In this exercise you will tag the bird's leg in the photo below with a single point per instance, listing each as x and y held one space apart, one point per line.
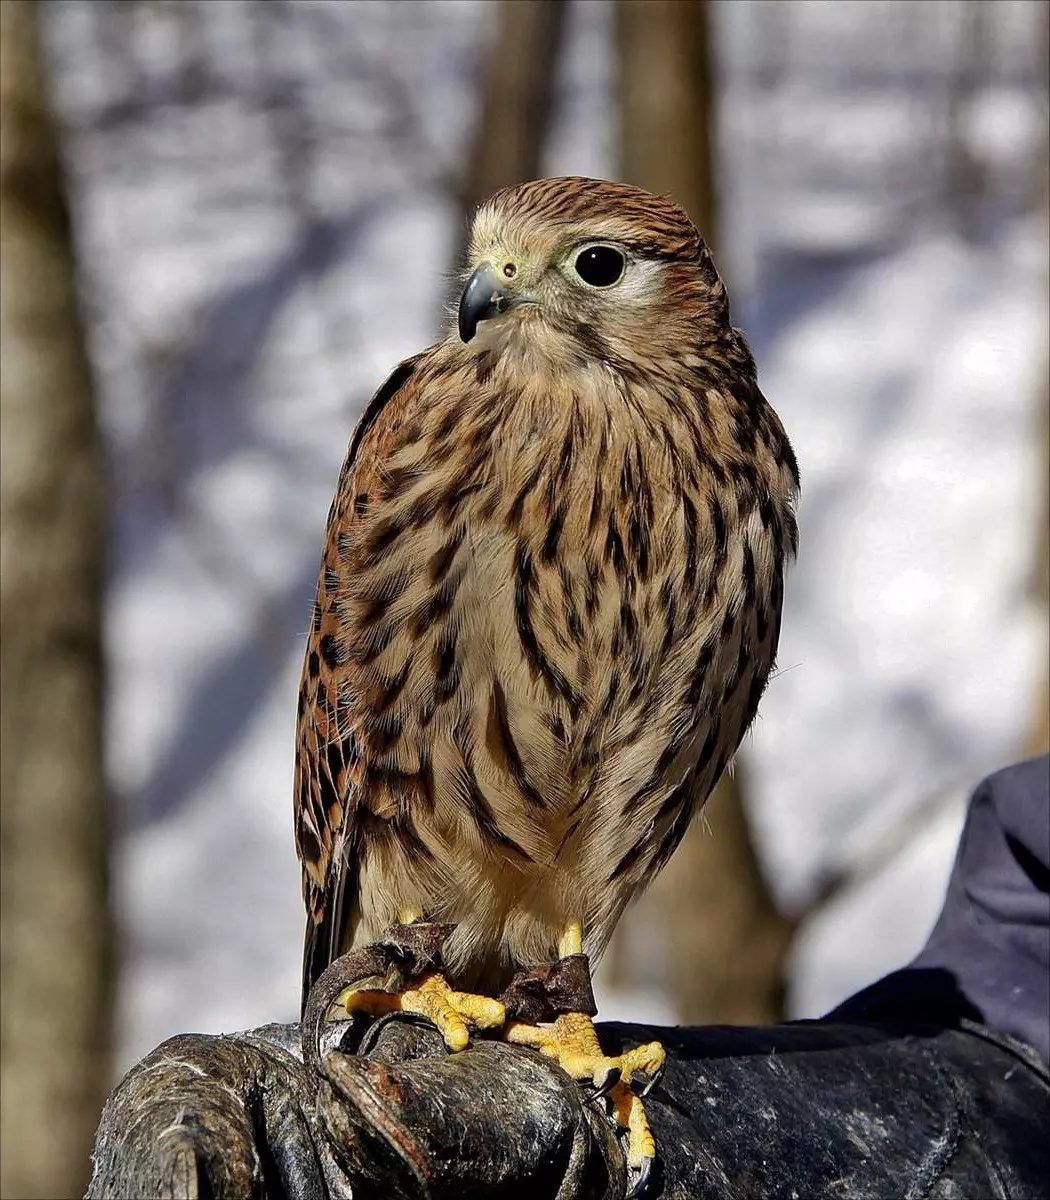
430 996
572 1040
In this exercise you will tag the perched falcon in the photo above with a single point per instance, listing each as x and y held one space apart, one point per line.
549 601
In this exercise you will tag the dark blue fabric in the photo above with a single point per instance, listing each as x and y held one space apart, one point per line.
988 957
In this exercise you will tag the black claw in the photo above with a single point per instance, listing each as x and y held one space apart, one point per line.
413 949
643 1082
343 973
642 1174
604 1085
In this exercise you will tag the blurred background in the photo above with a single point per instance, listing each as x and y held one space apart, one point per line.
223 222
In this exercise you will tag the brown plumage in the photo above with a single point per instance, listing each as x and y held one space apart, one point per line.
550 595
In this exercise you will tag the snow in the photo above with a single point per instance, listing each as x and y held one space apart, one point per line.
903 345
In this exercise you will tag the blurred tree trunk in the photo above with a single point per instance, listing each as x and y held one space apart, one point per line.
517 98
966 184
666 116
726 939
55 933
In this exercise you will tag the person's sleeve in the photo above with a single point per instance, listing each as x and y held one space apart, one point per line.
988 957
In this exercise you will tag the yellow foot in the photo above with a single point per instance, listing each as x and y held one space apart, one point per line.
431 997
573 1042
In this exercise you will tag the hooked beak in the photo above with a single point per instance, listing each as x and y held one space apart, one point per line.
483 297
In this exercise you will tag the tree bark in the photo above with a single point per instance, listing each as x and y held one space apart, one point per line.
728 941
55 933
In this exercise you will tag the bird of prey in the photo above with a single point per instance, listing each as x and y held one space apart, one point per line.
549 602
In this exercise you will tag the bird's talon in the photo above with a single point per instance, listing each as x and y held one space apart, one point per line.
643 1084
643 1063
605 1078
639 1178
644 1078
431 997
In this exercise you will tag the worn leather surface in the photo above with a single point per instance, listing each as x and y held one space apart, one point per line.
819 1110
802 1110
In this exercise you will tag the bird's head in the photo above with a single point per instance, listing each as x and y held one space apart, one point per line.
574 268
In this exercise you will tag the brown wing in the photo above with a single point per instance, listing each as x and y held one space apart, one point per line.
327 753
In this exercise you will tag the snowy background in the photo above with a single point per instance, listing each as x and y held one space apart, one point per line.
266 225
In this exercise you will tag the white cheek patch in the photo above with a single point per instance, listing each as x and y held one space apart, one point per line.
642 283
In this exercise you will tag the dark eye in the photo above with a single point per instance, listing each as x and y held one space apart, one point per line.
600 266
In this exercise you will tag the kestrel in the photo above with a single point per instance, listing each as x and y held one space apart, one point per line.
549 602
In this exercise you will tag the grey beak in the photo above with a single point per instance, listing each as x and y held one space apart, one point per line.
483 297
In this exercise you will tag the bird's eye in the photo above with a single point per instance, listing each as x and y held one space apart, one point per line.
600 266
